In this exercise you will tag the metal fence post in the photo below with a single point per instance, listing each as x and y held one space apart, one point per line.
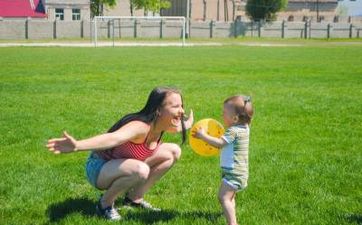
161 28
189 28
350 30
109 29
310 28
252 28
82 29
55 29
235 28
283 28
27 29
259 28
211 28
328 30
119 28
135 29
112 31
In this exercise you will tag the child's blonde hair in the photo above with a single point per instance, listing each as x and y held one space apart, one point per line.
242 107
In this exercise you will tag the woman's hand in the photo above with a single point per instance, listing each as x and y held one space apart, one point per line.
190 120
65 144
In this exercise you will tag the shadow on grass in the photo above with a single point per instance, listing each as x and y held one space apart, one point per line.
355 218
86 207
150 217
61 210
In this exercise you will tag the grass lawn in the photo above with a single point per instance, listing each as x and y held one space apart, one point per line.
305 151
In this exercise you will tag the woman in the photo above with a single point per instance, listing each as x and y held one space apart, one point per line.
131 158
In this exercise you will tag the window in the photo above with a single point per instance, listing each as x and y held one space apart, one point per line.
320 19
59 14
75 14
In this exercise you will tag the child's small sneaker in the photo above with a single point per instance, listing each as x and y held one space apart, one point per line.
110 213
127 202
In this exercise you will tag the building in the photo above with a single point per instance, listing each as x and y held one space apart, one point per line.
207 10
315 10
123 8
67 10
22 9
229 10
199 10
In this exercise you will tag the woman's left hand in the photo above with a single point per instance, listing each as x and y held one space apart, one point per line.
190 120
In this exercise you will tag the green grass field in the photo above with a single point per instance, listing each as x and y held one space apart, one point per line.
305 151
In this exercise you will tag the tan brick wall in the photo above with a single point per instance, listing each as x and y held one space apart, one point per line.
197 9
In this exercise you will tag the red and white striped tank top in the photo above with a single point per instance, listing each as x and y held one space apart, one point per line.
129 150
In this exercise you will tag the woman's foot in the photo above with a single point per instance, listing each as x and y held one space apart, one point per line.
127 202
110 213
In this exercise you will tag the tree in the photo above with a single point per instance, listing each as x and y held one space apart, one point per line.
97 6
151 5
264 9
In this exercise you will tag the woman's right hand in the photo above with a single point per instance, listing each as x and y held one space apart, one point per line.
65 144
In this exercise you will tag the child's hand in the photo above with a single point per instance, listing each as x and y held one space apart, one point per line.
65 144
199 133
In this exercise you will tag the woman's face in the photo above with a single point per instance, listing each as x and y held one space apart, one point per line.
172 110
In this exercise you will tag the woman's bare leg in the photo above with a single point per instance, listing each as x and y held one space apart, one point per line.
160 163
119 175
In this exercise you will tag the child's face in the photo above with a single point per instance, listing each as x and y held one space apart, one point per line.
229 115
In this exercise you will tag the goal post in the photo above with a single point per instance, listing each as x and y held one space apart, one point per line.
111 20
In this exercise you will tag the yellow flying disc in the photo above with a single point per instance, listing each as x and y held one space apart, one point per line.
213 128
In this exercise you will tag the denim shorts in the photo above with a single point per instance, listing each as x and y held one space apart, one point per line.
93 168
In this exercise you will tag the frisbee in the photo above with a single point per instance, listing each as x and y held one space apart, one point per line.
213 128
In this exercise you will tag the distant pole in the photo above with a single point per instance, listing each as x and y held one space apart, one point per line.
187 18
204 9
218 10
317 10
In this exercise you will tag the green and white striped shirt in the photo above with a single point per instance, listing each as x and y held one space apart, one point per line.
235 155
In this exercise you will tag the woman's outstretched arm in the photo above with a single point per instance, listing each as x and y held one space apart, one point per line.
68 143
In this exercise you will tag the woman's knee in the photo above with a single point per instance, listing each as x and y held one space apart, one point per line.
176 151
141 171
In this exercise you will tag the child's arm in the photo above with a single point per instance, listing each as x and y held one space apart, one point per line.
214 141
188 124
68 144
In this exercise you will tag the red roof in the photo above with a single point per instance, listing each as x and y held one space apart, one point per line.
22 8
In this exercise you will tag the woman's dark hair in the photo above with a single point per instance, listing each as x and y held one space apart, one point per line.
149 112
